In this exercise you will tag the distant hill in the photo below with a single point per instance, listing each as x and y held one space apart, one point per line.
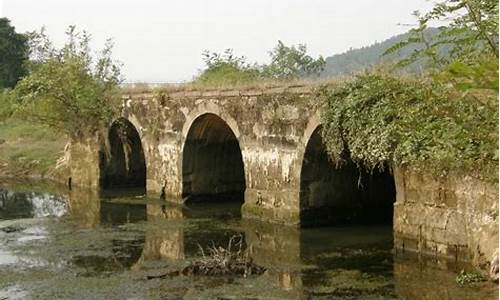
356 60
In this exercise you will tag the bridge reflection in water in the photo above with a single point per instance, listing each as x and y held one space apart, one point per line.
345 262
125 238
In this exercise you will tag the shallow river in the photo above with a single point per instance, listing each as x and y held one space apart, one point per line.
56 244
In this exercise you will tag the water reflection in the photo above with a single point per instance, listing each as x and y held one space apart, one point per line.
326 262
419 279
159 238
88 210
84 208
165 235
17 205
103 237
113 214
278 249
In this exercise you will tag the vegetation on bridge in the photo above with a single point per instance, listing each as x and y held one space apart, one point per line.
379 119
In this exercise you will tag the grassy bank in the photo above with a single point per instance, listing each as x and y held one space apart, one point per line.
29 150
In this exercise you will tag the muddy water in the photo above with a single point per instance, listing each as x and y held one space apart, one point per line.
76 245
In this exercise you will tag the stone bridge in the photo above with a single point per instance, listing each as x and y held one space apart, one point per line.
264 147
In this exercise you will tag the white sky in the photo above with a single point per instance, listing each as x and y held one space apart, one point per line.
162 41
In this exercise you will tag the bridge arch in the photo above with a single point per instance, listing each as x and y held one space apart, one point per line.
212 161
311 127
122 163
209 108
332 194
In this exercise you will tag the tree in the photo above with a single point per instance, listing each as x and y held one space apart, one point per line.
69 89
470 36
470 31
287 63
13 53
293 63
227 68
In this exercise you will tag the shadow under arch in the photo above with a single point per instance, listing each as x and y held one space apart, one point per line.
212 162
123 164
344 194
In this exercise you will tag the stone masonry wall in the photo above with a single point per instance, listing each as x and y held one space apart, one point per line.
84 163
455 217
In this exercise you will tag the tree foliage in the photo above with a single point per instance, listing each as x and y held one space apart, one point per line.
227 68
68 88
292 63
287 63
470 30
13 54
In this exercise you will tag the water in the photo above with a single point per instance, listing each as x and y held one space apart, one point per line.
75 245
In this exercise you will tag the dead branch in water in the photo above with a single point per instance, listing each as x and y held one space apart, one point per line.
220 261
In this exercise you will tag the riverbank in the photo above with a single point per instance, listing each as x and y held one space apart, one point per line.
30 150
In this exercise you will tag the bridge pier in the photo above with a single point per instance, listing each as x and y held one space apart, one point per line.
272 206
453 218
84 163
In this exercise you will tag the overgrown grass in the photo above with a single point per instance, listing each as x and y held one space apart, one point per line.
261 84
28 149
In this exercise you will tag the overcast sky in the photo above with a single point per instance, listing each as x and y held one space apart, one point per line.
162 41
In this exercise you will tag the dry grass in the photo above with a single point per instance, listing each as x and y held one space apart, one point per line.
138 88
233 260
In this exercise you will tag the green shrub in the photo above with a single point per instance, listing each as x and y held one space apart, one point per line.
7 106
287 63
227 69
68 88
292 62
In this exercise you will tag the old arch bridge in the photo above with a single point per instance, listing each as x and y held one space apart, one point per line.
261 147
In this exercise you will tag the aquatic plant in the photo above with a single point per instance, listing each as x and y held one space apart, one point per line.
469 277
